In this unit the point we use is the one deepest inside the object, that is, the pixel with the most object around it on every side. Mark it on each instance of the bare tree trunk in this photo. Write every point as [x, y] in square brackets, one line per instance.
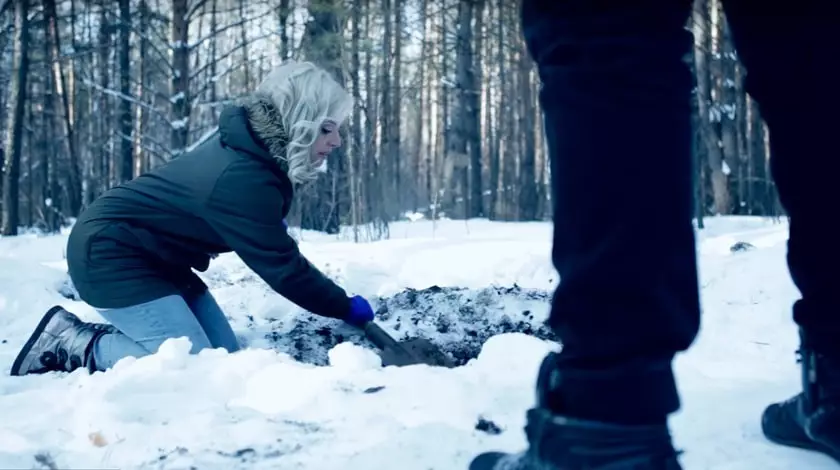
[474, 123]
[74, 187]
[540, 150]
[31, 196]
[458, 150]
[489, 111]
[126, 141]
[386, 113]
[396, 108]
[421, 125]
[510, 165]
[282, 19]
[528, 202]
[243, 37]
[372, 178]
[723, 54]
[14, 131]
[102, 165]
[357, 150]
[443, 164]
[180, 81]
[714, 154]
[141, 160]
[435, 131]
[321, 208]
[498, 148]
[50, 191]
[52, 187]
[697, 146]
[745, 202]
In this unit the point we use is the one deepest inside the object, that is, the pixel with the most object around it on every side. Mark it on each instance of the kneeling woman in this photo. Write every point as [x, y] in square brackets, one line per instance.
[132, 252]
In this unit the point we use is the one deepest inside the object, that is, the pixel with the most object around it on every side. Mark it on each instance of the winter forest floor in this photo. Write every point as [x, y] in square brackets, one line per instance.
[294, 399]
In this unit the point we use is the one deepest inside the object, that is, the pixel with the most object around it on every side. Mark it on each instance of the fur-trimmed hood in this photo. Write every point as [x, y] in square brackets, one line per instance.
[267, 128]
[237, 132]
[287, 111]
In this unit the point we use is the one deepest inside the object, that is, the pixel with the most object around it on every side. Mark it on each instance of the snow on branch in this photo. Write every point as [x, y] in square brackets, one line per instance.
[218, 31]
[121, 96]
[204, 138]
[195, 73]
[194, 8]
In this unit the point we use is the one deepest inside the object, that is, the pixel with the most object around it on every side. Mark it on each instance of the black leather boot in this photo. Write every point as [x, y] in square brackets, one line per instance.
[811, 419]
[557, 442]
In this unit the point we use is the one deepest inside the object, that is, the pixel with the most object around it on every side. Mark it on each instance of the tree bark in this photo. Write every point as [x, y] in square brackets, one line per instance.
[126, 159]
[180, 81]
[14, 131]
[74, 189]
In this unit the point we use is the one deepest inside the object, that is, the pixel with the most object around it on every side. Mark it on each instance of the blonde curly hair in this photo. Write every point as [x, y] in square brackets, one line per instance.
[288, 109]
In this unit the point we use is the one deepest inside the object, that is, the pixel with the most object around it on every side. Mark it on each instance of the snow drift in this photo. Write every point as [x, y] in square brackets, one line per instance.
[309, 392]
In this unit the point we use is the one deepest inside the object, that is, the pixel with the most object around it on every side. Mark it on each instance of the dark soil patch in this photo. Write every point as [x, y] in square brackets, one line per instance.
[459, 320]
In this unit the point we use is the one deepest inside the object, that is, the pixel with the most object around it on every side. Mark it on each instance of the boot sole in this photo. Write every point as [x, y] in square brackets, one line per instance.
[805, 445]
[27, 347]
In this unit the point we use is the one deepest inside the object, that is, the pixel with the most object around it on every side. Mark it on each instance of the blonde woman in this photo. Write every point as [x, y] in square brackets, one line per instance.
[131, 254]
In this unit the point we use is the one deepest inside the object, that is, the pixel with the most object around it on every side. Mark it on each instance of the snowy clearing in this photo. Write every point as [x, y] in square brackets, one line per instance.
[299, 399]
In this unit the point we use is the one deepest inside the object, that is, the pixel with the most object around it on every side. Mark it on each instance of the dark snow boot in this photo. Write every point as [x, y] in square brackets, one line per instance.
[811, 419]
[60, 343]
[557, 442]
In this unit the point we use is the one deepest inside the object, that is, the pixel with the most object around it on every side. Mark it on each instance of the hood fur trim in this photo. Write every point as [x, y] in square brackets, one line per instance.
[267, 124]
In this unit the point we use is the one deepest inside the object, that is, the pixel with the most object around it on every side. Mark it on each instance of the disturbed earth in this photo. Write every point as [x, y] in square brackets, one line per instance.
[458, 320]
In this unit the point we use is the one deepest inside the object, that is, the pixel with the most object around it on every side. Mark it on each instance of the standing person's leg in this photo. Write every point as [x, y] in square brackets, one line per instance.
[617, 102]
[799, 102]
[213, 321]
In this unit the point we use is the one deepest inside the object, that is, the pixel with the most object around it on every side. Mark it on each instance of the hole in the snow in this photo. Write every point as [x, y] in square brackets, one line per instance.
[458, 320]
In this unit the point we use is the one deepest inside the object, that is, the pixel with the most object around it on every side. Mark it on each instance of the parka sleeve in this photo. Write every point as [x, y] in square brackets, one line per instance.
[246, 211]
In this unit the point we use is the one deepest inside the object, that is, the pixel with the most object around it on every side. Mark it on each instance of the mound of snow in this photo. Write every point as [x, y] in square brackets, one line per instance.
[259, 409]
[310, 392]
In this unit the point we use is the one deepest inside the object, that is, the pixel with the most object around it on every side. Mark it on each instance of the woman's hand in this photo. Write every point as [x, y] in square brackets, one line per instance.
[360, 311]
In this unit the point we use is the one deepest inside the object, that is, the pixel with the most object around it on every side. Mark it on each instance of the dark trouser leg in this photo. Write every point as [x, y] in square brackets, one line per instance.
[617, 102]
[788, 50]
[799, 102]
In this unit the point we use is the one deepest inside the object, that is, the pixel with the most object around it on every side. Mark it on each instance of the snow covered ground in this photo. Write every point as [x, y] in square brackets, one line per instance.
[295, 400]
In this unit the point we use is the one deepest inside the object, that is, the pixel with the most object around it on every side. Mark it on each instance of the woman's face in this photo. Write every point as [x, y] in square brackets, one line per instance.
[327, 141]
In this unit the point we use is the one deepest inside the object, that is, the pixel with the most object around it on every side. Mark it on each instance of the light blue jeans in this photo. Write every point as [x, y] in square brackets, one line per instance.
[144, 327]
